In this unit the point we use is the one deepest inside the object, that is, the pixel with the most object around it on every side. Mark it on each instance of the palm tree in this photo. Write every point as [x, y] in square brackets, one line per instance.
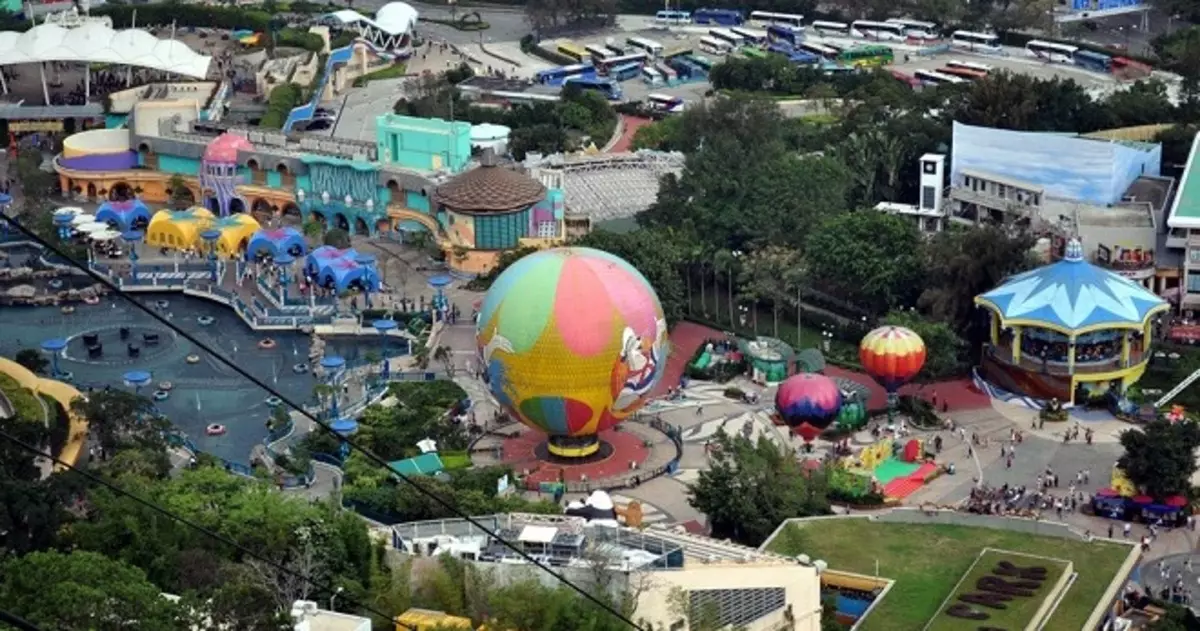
[445, 355]
[723, 261]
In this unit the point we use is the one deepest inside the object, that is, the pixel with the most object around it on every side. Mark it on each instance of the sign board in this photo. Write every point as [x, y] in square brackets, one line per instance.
[1186, 333]
[502, 484]
[34, 125]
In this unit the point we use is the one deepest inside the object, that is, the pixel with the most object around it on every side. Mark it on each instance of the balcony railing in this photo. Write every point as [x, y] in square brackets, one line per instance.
[1130, 266]
[1061, 368]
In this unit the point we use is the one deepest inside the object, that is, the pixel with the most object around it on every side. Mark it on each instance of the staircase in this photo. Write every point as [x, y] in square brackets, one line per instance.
[1166, 398]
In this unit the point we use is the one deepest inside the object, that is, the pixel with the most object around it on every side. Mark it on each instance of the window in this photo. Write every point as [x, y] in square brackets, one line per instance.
[547, 230]
[736, 607]
[1194, 255]
[1193, 283]
[930, 167]
[928, 197]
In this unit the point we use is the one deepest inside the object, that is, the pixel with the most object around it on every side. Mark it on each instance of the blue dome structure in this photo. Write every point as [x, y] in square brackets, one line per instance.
[1072, 296]
[1068, 328]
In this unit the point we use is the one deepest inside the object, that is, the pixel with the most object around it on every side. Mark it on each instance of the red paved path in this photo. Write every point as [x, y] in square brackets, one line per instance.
[686, 337]
[519, 453]
[632, 124]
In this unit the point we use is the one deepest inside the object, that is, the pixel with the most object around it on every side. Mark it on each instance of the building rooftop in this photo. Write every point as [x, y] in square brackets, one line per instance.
[1185, 213]
[490, 188]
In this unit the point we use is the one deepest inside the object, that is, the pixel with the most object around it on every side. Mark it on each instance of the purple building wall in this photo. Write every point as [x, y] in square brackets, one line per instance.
[101, 162]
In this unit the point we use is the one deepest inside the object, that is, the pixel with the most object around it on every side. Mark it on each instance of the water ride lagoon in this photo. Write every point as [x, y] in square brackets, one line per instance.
[203, 392]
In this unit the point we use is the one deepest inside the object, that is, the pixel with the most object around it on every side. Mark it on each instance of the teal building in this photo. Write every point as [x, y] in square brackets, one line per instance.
[424, 144]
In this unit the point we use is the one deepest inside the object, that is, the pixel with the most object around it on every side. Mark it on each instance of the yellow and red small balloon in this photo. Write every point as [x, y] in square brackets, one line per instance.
[892, 355]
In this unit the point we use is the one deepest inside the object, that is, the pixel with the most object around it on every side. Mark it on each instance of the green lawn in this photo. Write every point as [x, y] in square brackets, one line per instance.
[927, 561]
[23, 400]
[1019, 611]
[452, 460]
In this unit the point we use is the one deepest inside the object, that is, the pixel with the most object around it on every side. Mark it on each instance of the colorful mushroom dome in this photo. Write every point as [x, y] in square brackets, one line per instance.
[224, 148]
[573, 340]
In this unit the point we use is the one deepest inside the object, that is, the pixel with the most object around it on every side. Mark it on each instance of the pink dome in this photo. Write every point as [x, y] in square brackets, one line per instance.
[225, 148]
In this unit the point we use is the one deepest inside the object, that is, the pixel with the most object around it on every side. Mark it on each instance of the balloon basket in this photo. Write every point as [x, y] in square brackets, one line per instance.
[573, 447]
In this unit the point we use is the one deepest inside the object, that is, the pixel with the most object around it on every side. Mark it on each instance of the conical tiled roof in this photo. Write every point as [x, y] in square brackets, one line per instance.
[489, 189]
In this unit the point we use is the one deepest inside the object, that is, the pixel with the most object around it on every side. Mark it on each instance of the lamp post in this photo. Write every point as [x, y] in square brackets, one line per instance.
[439, 303]
[283, 260]
[63, 223]
[54, 347]
[344, 427]
[333, 365]
[210, 237]
[384, 326]
[131, 239]
[369, 275]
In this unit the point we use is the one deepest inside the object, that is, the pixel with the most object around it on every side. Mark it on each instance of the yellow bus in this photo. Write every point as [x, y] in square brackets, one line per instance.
[429, 620]
[574, 51]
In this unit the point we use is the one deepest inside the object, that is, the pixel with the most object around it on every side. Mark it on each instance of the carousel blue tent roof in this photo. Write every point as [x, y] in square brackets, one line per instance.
[123, 214]
[1072, 296]
[274, 241]
[341, 273]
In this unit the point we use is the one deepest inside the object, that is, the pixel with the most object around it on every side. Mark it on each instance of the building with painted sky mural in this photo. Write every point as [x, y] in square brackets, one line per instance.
[365, 188]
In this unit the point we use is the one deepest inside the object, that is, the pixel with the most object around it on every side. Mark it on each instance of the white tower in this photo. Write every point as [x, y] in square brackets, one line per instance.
[933, 187]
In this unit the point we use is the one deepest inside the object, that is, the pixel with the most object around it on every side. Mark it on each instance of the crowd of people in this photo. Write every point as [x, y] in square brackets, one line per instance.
[1058, 351]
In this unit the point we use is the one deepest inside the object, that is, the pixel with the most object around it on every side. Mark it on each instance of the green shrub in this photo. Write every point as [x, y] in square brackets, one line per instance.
[735, 393]
[283, 98]
[393, 71]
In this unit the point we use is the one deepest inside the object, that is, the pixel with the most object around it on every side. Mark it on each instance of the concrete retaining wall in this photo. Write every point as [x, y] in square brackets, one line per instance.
[954, 518]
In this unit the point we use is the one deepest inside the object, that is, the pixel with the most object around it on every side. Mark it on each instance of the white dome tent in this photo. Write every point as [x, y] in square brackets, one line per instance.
[391, 30]
[96, 43]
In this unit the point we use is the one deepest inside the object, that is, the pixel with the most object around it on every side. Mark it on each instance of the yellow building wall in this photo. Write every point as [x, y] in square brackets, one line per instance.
[61, 392]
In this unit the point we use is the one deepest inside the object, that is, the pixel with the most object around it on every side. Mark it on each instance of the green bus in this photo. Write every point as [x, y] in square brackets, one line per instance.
[754, 53]
[704, 62]
[866, 56]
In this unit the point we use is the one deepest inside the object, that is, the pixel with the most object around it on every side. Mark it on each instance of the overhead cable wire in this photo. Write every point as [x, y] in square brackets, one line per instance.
[370, 455]
[323, 586]
[17, 622]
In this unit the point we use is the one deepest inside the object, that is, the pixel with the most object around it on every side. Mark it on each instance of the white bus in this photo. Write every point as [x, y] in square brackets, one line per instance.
[652, 76]
[648, 46]
[726, 35]
[599, 53]
[767, 18]
[672, 18]
[830, 28]
[981, 42]
[932, 77]
[754, 37]
[714, 46]
[1052, 51]
[668, 73]
[917, 29]
[665, 103]
[878, 30]
[968, 65]
[820, 50]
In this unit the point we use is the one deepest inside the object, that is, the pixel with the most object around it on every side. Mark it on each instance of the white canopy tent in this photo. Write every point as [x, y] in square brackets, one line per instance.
[82, 218]
[90, 228]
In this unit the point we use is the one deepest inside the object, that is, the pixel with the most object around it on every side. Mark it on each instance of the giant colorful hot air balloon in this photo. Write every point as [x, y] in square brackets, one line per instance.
[572, 340]
[892, 356]
[808, 403]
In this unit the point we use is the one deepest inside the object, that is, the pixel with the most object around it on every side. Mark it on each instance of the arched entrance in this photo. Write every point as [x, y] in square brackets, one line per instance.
[360, 227]
[260, 205]
[213, 205]
[120, 192]
[292, 211]
[383, 225]
[340, 221]
[319, 217]
[184, 198]
[236, 205]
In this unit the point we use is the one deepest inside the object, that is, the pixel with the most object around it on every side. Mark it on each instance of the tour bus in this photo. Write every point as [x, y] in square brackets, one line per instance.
[555, 76]
[648, 46]
[866, 56]
[786, 34]
[704, 63]
[969, 65]
[676, 52]
[1096, 62]
[723, 17]
[1052, 51]
[632, 58]
[665, 103]
[625, 72]
[754, 52]
[965, 73]
[932, 77]
[672, 18]
[726, 35]
[609, 88]
[830, 28]
[668, 73]
[614, 48]
[751, 36]
[714, 46]
[878, 30]
[651, 75]
[917, 29]
[574, 51]
[977, 42]
[598, 53]
[820, 50]
[801, 58]
[767, 18]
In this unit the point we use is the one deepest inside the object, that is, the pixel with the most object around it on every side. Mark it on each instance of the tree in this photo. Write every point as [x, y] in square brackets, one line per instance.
[770, 274]
[445, 355]
[82, 591]
[312, 229]
[120, 418]
[181, 195]
[751, 488]
[337, 237]
[870, 258]
[32, 359]
[1027, 103]
[1161, 458]
[944, 349]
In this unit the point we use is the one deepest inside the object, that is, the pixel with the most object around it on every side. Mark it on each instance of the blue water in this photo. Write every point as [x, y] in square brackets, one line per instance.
[224, 396]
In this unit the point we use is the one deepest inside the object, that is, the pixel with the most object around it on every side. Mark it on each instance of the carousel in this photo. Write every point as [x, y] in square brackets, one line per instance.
[1068, 331]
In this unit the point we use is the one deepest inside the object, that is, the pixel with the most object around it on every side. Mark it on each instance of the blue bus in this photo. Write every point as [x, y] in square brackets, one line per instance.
[625, 72]
[608, 87]
[801, 58]
[723, 17]
[790, 36]
[1095, 62]
[555, 76]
